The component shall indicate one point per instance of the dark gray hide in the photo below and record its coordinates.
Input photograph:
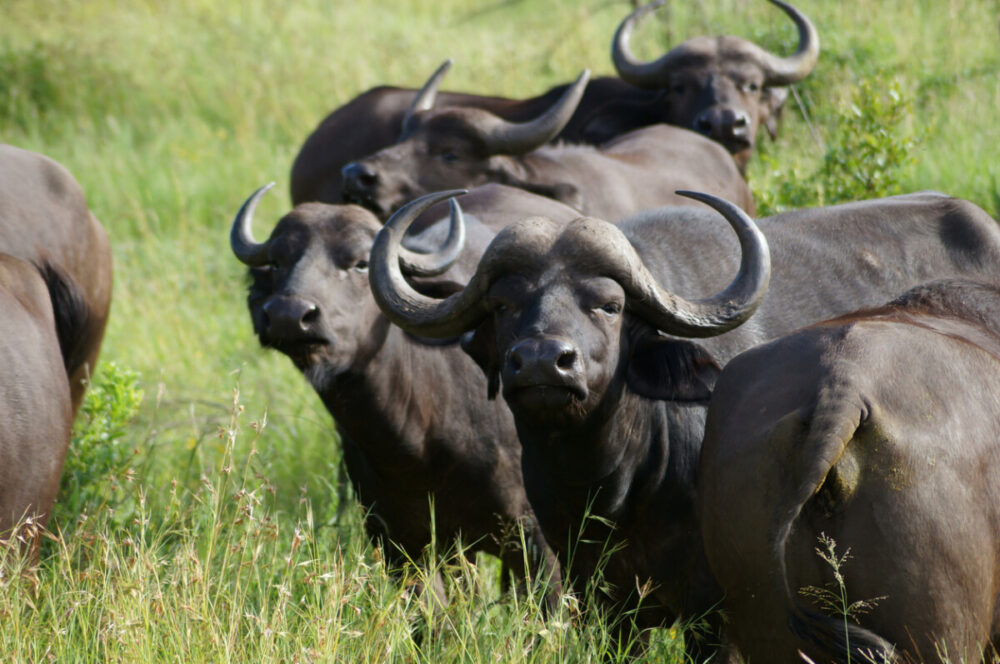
(453, 147)
(40, 310)
(881, 430)
(413, 416)
(372, 121)
(610, 413)
(44, 219)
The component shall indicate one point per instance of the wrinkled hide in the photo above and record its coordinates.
(881, 430)
(610, 412)
(413, 417)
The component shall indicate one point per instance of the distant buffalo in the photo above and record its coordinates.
(42, 313)
(581, 325)
(413, 417)
(44, 219)
(880, 430)
(723, 87)
(449, 147)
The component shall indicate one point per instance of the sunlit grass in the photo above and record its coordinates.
(170, 114)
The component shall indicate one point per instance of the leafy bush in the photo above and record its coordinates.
(99, 456)
(869, 158)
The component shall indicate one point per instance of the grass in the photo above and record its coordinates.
(204, 547)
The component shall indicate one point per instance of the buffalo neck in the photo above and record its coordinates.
(389, 402)
(648, 452)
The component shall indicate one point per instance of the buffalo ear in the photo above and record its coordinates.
(773, 100)
(672, 370)
(480, 345)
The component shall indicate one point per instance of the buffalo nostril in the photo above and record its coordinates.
(289, 317)
(704, 125)
(566, 359)
(359, 176)
(310, 316)
(516, 362)
(740, 121)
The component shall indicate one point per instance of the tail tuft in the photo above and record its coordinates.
(75, 324)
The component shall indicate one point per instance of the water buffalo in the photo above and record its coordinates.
(569, 319)
(376, 118)
(723, 87)
(413, 417)
(41, 314)
(444, 148)
(44, 219)
(881, 430)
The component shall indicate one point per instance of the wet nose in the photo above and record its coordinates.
(545, 361)
(290, 317)
(723, 124)
(359, 178)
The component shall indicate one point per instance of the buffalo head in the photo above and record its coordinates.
(445, 148)
(566, 316)
(309, 295)
(723, 87)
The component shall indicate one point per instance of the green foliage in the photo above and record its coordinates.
(170, 114)
(832, 599)
(871, 152)
(101, 452)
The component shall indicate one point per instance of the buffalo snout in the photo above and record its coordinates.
(288, 317)
(360, 180)
(726, 125)
(546, 362)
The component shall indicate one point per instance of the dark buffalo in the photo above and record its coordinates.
(375, 119)
(720, 95)
(881, 430)
(413, 417)
(44, 219)
(569, 318)
(445, 148)
(41, 314)
(723, 87)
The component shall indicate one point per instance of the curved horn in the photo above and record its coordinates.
(248, 250)
(631, 70)
(675, 315)
(426, 95)
(401, 303)
(431, 264)
(517, 138)
(794, 68)
(777, 70)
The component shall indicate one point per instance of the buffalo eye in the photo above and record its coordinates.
(611, 308)
(751, 87)
(449, 157)
(499, 307)
(361, 266)
(678, 88)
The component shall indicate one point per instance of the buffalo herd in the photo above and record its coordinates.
(551, 329)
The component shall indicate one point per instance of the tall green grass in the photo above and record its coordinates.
(170, 114)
